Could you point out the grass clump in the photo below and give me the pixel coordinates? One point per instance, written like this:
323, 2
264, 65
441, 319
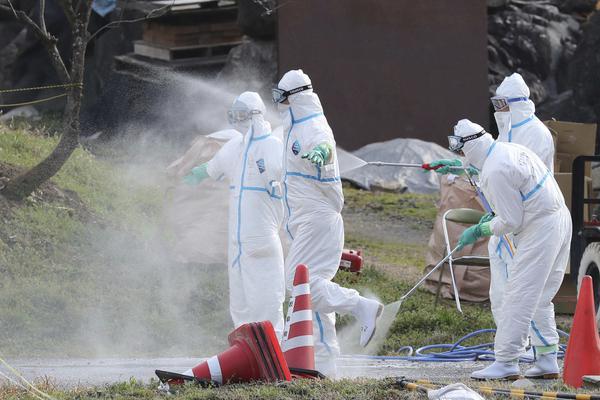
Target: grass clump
419, 207
86, 265
419, 321
300, 389
383, 252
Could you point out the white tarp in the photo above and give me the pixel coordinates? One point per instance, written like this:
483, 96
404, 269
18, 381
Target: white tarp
399, 179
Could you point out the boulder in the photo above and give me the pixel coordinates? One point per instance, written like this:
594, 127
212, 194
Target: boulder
585, 67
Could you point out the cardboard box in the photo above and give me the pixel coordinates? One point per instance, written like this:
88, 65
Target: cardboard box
565, 162
572, 139
565, 183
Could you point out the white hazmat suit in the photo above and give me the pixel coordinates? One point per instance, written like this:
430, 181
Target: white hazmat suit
528, 203
252, 166
314, 200
518, 125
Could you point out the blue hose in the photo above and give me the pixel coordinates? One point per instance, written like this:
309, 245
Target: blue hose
456, 352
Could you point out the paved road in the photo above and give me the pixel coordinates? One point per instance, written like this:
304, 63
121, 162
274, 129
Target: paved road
88, 372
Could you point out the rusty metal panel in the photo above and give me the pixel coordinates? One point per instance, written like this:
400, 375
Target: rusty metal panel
390, 68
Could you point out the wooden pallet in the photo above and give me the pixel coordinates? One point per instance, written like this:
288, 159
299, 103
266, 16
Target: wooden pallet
192, 39
180, 6
155, 51
178, 35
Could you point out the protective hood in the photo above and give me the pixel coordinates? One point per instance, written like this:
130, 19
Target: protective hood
304, 103
249, 101
514, 86
256, 126
476, 151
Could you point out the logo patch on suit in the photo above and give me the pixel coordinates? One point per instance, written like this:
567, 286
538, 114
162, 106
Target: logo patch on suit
261, 165
296, 148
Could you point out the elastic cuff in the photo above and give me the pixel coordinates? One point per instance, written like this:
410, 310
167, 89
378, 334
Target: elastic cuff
201, 171
553, 348
486, 229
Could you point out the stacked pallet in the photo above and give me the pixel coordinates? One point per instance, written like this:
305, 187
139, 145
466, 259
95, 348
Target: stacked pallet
192, 29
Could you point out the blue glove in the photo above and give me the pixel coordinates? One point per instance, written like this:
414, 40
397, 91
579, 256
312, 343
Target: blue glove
473, 233
196, 175
319, 155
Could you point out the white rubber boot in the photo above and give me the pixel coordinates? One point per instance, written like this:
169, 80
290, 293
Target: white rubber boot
545, 367
367, 313
498, 371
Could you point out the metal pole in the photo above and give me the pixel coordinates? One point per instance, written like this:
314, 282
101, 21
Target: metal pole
429, 273
393, 164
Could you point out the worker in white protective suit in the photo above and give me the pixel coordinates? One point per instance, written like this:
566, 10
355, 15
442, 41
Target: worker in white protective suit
517, 123
528, 203
313, 201
253, 167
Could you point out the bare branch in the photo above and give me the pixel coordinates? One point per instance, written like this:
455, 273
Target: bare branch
47, 39
13, 9
157, 12
67, 6
43, 17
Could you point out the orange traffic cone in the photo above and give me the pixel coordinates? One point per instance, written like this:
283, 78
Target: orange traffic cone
583, 351
297, 343
254, 355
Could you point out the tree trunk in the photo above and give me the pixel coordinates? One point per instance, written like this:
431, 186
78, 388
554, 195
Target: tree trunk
23, 185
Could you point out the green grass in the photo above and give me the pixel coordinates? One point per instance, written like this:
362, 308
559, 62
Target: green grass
100, 184
419, 322
99, 265
302, 389
392, 205
396, 254
88, 272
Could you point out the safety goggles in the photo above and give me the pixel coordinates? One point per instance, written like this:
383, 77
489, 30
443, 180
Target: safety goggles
501, 103
456, 143
279, 95
234, 116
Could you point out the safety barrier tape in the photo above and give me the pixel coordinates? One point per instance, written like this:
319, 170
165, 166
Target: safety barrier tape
28, 89
423, 385
36, 391
27, 103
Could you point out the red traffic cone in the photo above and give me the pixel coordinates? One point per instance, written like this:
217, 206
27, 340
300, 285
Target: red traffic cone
254, 355
297, 343
583, 351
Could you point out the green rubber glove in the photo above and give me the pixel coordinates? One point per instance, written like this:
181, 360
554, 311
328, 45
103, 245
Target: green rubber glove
196, 175
319, 155
445, 164
449, 167
486, 218
473, 233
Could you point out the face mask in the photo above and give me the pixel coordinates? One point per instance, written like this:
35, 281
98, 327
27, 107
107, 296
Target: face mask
503, 122
242, 126
283, 108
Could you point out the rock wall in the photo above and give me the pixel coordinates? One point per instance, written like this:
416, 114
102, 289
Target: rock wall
554, 44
